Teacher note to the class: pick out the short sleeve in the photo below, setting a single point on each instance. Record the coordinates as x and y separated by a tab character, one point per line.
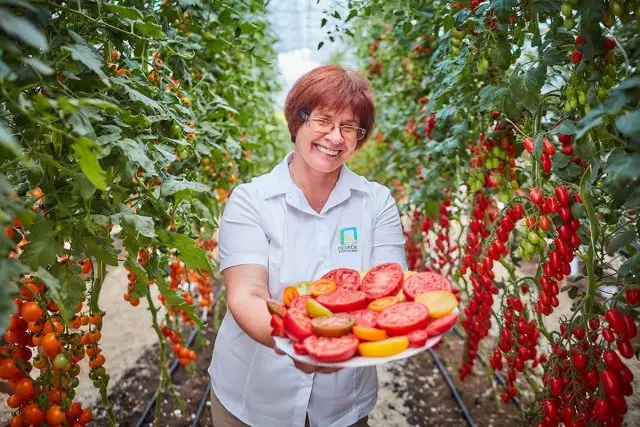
242	238
388	238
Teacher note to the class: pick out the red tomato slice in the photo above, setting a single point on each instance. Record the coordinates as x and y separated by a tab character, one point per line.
442	325
325	349
343	300
383	280
425	282
276	307
299	348
278	326
300	302
297	324
417	338
366	318
402	318
345	278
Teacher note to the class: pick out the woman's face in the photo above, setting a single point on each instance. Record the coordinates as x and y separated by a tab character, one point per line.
326	152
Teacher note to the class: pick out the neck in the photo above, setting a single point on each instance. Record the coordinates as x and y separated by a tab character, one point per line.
309	180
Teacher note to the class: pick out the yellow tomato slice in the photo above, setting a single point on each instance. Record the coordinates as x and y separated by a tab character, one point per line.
322	286
384	348
381	303
289	295
366	333
315	309
439	303
362	274
400	296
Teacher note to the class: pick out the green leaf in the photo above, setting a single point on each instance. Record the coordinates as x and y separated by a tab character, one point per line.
545	7
137	152
171	296
100	103
142	278
628	123
567	127
38	66
10	271
88	152
7	140
65	288
22	29
141	224
621	238
137	96
90	58
124	12
622	174
554	56
193	256
461	17
630	266
323	22
149	29
100	248
172	186
43	248
503	6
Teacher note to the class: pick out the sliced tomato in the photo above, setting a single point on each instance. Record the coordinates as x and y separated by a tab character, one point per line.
384	348
343	300
297	325
383	280
300	302
417	338
381	303
366	333
402	318
276	307
366	318
322	286
425	282
277	324
289	294
442	325
333	326
345	278
315	309
439	303
299	348
327	350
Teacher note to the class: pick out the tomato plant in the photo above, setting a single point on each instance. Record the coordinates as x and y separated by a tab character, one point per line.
508	133
123	124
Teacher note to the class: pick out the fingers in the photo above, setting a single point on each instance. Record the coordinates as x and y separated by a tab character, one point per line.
278	351
327	370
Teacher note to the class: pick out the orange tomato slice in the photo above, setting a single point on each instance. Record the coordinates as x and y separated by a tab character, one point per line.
322	286
289	294
366	333
384	348
439	303
381	303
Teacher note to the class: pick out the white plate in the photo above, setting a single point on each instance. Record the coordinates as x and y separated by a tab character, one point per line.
286	345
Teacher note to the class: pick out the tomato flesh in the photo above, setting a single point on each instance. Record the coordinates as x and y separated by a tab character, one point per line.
328	350
333	326
402	318
366	318
297	325
345	278
343	300
425	282
300	302
383	280
276	307
417	338
322	286
441	325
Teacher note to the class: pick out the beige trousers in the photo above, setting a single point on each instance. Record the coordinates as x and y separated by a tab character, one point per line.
223	418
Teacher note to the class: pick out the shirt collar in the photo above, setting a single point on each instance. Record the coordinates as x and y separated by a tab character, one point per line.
280	182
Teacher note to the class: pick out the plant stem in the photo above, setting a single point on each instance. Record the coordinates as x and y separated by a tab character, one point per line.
585	194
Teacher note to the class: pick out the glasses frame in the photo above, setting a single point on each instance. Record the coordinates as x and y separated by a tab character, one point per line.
307	119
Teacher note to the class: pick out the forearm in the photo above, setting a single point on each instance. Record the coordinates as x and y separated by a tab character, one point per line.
251	314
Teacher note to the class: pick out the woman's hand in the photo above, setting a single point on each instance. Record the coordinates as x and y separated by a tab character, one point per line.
306	368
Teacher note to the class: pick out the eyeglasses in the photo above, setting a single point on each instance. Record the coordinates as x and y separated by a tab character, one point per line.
320	125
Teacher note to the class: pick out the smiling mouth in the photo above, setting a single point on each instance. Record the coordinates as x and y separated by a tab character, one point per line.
327	151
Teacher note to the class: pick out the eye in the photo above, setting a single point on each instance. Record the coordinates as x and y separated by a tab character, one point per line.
349	129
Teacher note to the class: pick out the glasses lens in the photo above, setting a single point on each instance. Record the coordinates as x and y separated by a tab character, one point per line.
319	125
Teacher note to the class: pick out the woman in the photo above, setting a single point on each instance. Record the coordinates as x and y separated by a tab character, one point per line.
309	215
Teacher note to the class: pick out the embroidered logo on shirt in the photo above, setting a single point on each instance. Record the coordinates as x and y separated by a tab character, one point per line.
348	240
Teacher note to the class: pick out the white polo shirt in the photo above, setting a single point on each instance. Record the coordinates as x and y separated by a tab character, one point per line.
269	222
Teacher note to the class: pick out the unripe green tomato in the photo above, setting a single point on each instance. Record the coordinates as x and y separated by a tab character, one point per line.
582	98
518	252
617	8
602	93
75	382
485	63
533	238
542	245
569	23
61	362
587	108
527	247
541	233
176	130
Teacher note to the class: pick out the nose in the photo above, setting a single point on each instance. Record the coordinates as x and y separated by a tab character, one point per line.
335	136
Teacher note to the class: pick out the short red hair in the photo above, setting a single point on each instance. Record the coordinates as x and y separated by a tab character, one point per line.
333	88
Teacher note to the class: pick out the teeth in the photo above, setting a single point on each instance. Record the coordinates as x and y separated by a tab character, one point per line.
327	151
